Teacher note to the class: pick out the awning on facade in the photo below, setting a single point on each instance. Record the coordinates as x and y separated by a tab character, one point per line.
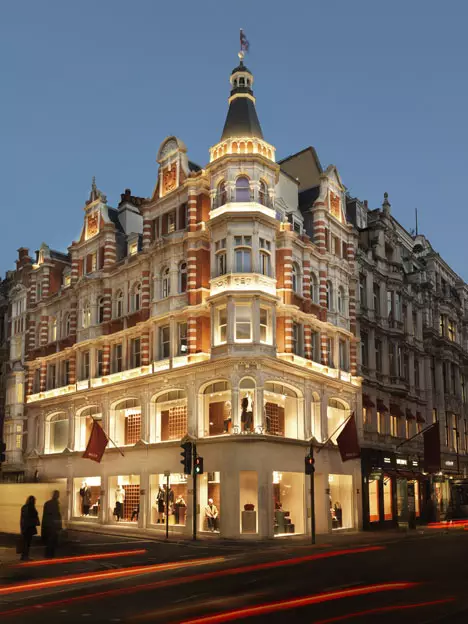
409	414
367	401
381	407
420	418
395	410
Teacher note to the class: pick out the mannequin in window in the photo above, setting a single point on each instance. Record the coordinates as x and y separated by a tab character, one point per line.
211	513
227	416
135	513
161	504
85	493
179	510
119	502
338	514
247	411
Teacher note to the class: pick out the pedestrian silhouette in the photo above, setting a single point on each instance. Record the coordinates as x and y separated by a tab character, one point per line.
28	522
51	524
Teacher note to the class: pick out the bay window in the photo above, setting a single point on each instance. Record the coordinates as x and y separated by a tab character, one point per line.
220	250
265	325
243	322
265	259
117	358
136	352
182	339
99	363
222	324
164	342
243	254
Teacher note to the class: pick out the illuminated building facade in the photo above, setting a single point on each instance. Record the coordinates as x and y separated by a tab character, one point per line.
222	307
412	317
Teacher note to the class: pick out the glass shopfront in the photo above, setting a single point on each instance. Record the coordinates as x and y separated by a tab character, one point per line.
87	497
209	491
124	498
387	498
171	501
374	513
288	498
248	480
341	501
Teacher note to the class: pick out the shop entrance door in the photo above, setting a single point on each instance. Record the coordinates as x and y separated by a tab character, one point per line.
402	501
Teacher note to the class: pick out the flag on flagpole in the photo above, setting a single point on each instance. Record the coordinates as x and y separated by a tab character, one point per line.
97	443
244	44
348	441
432	448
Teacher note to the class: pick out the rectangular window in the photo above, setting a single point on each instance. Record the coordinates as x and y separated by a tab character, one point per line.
408	429
316	346
85	365
389	305
264	325
51	376
65	373
243	260
295	338
378	356
222	325
265	263
243	323
363	290
99	363
393	425
171	222
364	350
117	358
442	325
376	295
452	331
37	380
182	339
135	345
330	352
164	342
343	353
221	263
381	422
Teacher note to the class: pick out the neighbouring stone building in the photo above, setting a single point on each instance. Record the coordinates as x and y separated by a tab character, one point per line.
223	307
413	329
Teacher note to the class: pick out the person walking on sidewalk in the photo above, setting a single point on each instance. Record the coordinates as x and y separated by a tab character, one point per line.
28	522
51	524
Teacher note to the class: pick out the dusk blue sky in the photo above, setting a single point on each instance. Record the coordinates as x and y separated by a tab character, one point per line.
92	88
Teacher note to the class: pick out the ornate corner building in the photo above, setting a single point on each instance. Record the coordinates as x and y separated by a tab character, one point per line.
413	328
222	307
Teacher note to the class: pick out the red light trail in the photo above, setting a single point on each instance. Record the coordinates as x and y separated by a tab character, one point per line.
284	605
109	555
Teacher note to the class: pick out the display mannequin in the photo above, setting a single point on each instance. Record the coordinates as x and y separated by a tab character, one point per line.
178	506
211	513
119	502
161	504
85	493
247	411
227	416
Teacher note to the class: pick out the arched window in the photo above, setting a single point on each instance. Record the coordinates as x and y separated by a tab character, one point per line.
171	415
341	300
314	288
281	410
53	329
57	426
126	422
101	310
86	320
337	413
221	194
242	189
118	304
66	325
183	277
265	256
166	283
295	276
329	295
83	425
217	409
247	392
136	297
263	193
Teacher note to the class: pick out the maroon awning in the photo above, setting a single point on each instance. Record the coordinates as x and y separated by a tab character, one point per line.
409	414
381	407
420	418
367	401
395	410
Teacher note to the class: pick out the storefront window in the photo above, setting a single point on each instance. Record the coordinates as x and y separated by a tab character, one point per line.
124	498
248	480
57	433
172	501
127	422
171	415
217	409
87	497
374	515
281	410
417	502
337	413
388	499
288	497
209	485
341	501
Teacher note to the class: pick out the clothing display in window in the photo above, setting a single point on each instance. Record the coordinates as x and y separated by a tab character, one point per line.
227	416
119	503
247	412
180	508
86	495
161	504
211	514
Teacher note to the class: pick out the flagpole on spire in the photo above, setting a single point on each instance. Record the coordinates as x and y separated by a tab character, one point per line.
244	45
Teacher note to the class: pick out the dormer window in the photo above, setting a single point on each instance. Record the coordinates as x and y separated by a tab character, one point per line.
133	249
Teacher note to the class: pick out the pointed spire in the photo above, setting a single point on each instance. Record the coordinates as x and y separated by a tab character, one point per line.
95	193
241	119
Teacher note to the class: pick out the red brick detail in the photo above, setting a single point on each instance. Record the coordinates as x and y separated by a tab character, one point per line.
75	270
30	385
145	349
192	211
203	207
306	279
72	370
323	349
198	273
73	322
308	342
280	341
353	358
44	333
43	377
110	254
147	232
106	354
203	334
192	335
288	335
32	335
323	288
145	289
107	297
45	283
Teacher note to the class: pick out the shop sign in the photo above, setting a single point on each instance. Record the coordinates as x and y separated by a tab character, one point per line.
375	475
415	463
449	463
387	460
401	462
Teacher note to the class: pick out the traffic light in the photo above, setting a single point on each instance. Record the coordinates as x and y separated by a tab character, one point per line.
309	464
2	452
198	466
186	455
